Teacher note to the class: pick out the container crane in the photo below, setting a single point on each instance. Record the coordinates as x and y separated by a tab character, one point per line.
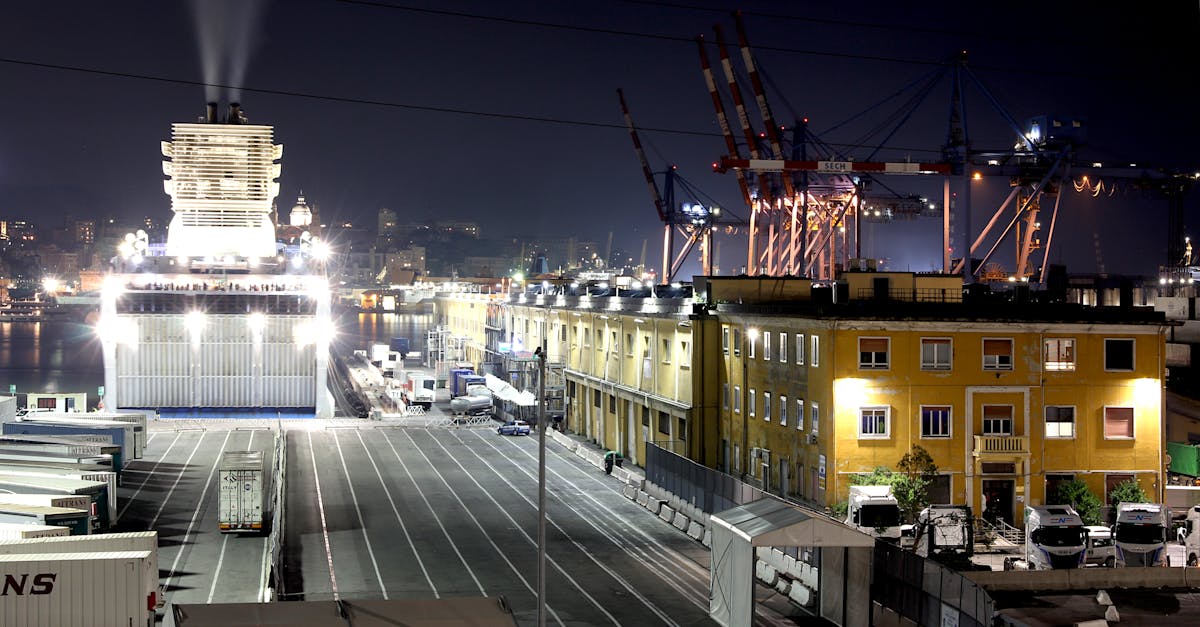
693	221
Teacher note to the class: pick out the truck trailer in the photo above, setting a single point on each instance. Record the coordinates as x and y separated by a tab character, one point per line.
55	589
244	484
18	531
96	491
77	521
106	516
945	532
97	543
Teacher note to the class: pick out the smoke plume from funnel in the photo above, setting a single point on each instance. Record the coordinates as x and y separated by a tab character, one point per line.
225	36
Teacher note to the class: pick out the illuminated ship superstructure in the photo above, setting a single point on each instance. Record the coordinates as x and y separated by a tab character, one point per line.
222	182
222	320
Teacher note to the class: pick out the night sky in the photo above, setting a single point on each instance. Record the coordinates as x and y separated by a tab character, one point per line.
87	143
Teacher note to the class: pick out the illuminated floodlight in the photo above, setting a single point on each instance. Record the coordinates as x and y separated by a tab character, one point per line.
136	259
575	285
676	285
297	262
257	322
252	261
182	260
752	333
117	330
978	176
320	250
111	288
194	321
603	285
1162	281
228	260
637	285
518	277
51	285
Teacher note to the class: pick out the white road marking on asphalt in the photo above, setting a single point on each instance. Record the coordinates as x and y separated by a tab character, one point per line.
700	575
216	574
396	511
175	484
588	519
435	516
324	526
522	532
358	510
148	475
183	543
511	566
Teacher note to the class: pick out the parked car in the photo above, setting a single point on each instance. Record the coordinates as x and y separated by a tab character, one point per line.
514	427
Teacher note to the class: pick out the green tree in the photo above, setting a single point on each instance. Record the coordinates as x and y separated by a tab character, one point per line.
910	484
1077	494
1127	492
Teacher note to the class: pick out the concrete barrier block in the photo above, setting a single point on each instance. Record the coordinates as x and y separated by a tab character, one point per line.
630	492
642	497
777	560
681	521
761	552
783	585
766	573
666	513
653	505
695	531
801	595
707	541
789	564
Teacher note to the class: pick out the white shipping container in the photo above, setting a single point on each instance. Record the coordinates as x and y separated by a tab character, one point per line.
242	491
79	589
18	531
73	501
95	543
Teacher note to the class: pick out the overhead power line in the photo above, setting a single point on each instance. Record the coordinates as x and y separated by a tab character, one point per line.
388	103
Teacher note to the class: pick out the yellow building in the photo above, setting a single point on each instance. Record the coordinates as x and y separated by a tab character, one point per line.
796	388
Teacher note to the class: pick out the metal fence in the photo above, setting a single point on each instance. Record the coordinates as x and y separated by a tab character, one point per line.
926	592
711	490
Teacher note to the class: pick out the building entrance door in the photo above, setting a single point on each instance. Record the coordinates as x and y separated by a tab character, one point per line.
998	500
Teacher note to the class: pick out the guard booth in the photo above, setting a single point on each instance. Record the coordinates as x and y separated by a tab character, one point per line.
844	570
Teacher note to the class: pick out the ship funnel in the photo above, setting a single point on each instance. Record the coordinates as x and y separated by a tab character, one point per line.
210	115
235	114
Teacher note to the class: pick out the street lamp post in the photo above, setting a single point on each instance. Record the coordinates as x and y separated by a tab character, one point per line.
541	427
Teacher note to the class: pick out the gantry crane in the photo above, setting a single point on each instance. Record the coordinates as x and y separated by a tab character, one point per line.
695	221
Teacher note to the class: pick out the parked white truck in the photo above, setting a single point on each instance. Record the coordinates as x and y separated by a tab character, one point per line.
243	486
1141	533
55	589
945	532
1055	537
873	510
420	390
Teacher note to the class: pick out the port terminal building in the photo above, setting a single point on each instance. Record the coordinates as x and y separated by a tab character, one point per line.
794	386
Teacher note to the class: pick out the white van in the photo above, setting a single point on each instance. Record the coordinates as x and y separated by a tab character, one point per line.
1100	548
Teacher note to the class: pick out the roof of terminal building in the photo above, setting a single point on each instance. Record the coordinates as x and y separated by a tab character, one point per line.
970	310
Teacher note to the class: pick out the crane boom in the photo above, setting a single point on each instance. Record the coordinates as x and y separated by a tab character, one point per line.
659	205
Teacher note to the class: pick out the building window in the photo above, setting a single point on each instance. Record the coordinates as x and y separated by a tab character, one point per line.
935	353
685	355
800	414
873	422
1118	422
587	340
750	402
629	345
799	349
783	348
725	340
596	399
873	353
737	399
645	416
752	340
612	403
1112	480
814	416
1052	483
814	352
737	342
1118	354
935	421
666	350
681	431
767	406
782	410
599	340
767	346
997	419
997	354
1058	354
1060	421
724	396
664	423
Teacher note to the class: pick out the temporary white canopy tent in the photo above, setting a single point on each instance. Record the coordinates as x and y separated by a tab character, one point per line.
504	391
765	522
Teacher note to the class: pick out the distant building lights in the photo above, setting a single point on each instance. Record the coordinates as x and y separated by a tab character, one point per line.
977	176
